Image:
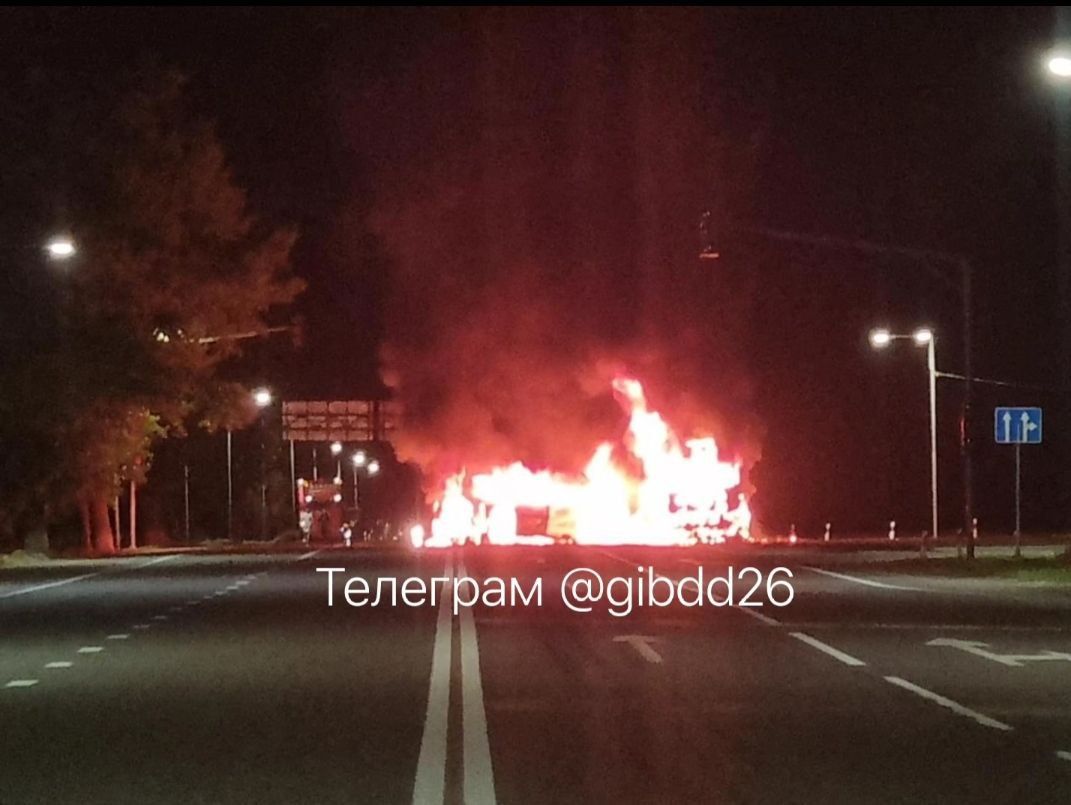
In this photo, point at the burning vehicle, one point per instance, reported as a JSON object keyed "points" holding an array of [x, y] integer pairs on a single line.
{"points": [[647, 488]]}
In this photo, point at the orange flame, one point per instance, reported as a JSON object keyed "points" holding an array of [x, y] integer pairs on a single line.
{"points": [[669, 495]]}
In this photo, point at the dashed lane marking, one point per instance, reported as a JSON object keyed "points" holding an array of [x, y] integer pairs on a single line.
{"points": [[825, 648], [947, 703]]}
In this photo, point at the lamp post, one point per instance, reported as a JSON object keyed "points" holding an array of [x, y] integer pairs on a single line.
{"points": [[336, 451], [359, 460], [710, 250], [1057, 67], [262, 398], [923, 337]]}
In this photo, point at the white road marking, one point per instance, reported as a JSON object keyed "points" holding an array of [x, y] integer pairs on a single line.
{"points": [[91, 649], [118, 636], [936, 627], [757, 615], [642, 644], [159, 617], [866, 582], [175, 609], [430, 784], [47, 585], [305, 556], [21, 683], [955, 707], [60, 582], [158, 560], [142, 625], [59, 664], [980, 649], [825, 648], [478, 775], [233, 588], [1063, 755], [193, 602]]}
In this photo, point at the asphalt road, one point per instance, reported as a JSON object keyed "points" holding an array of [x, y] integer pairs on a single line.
{"points": [[216, 679]]}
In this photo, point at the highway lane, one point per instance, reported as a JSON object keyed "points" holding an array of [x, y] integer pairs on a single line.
{"points": [[249, 688]]}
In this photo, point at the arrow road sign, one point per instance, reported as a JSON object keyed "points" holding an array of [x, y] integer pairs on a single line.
{"points": [[1017, 425]]}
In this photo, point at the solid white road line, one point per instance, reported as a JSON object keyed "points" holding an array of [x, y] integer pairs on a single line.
{"points": [[60, 582], [91, 649], [955, 707], [1063, 755], [479, 778], [47, 585], [59, 664], [142, 625], [305, 556], [642, 644], [865, 582], [825, 648], [159, 617], [757, 615], [21, 683], [158, 560], [430, 784], [118, 636]]}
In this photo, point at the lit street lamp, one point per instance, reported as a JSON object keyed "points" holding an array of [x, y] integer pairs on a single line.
{"points": [[923, 337], [1058, 63], [60, 248], [336, 451], [262, 398], [360, 461]]}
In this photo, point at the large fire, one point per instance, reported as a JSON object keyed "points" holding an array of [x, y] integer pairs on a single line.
{"points": [[656, 491]]}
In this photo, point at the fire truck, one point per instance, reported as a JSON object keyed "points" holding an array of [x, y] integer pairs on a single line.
{"points": [[320, 512]]}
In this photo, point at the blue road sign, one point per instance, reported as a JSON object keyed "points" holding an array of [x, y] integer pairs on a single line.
{"points": [[1017, 425]]}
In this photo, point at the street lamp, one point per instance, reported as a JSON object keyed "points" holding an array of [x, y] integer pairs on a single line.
{"points": [[262, 398], [1058, 63], [336, 451], [360, 461], [923, 337], [934, 260], [60, 248]]}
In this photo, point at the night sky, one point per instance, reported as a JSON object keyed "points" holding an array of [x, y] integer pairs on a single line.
{"points": [[499, 207]]}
